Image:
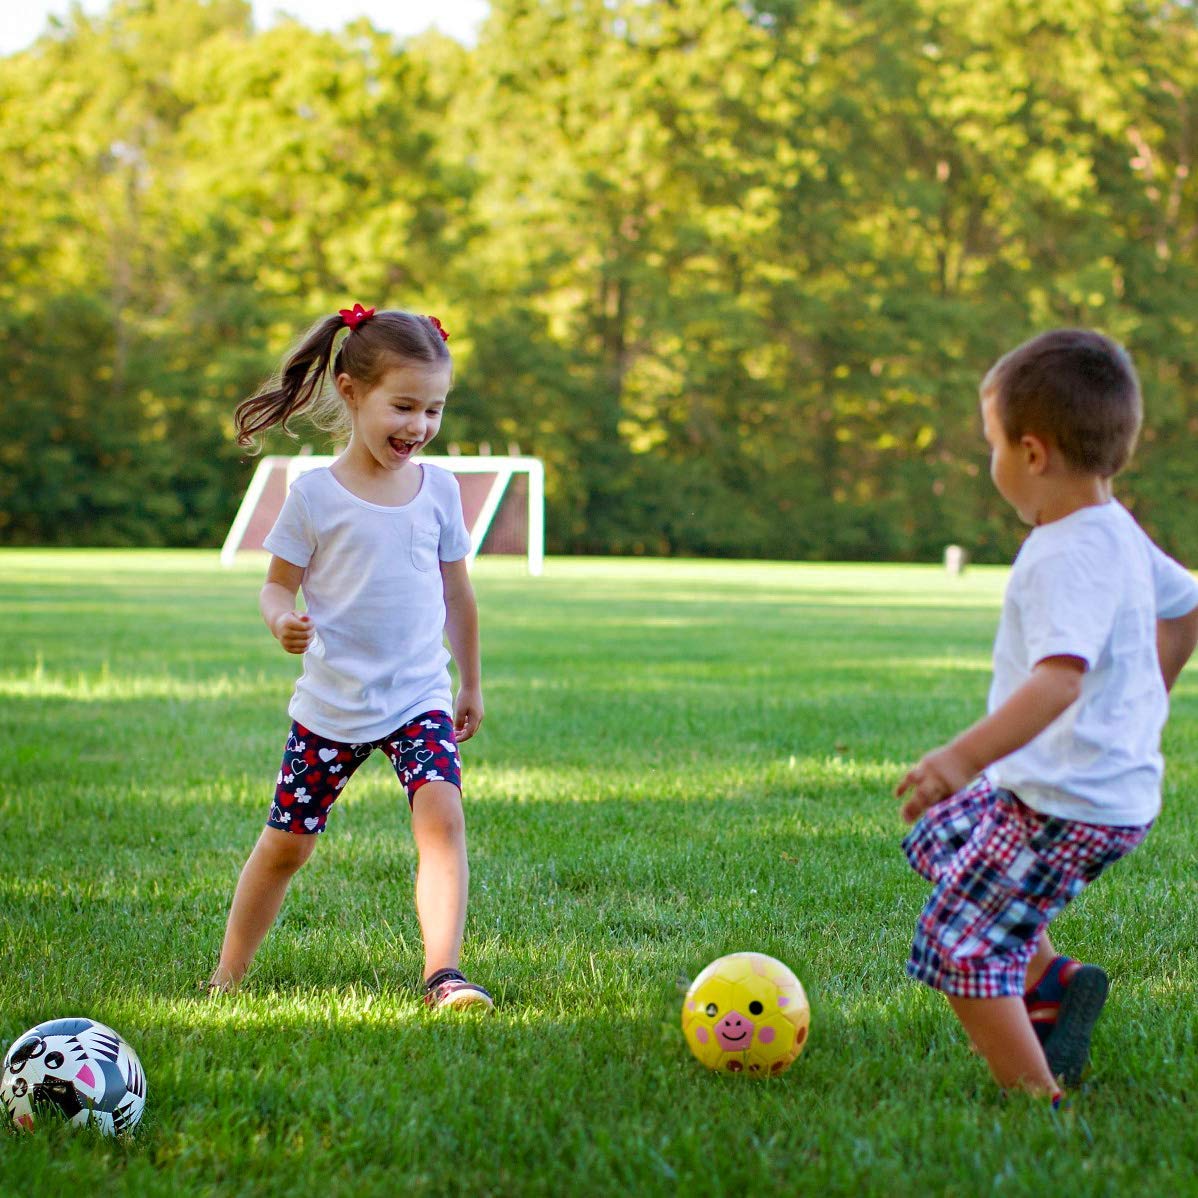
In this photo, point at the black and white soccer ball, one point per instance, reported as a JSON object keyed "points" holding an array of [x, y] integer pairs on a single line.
{"points": [[76, 1069]]}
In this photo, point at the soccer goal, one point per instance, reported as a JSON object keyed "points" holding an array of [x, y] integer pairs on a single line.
{"points": [[503, 501]]}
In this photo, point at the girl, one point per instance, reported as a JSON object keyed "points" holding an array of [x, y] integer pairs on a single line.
{"points": [[378, 543]]}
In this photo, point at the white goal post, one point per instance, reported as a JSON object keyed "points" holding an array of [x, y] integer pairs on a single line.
{"points": [[503, 501]]}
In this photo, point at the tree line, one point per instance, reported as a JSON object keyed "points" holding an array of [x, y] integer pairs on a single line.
{"points": [[732, 268]]}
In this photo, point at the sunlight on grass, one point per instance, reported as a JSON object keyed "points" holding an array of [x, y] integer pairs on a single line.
{"points": [[38, 683], [950, 661], [680, 759]]}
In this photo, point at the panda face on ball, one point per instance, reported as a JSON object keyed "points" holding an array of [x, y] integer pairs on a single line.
{"points": [[55, 1073], [76, 1069]]}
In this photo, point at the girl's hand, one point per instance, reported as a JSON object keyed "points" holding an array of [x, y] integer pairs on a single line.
{"points": [[937, 776], [293, 630], [467, 713]]}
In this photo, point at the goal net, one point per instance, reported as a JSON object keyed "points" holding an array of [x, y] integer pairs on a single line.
{"points": [[503, 501]]}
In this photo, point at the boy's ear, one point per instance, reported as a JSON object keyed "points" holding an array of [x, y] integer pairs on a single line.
{"points": [[1035, 452]]}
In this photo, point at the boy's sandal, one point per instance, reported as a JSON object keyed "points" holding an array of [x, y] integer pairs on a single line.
{"points": [[1067, 1047]]}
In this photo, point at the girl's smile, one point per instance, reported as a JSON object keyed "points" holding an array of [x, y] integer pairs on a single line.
{"points": [[402, 448]]}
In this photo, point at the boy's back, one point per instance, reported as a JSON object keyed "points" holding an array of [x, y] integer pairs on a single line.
{"points": [[1091, 586]]}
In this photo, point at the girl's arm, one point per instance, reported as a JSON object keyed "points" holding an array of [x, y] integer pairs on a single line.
{"points": [[276, 601], [1055, 684], [1175, 641], [461, 627]]}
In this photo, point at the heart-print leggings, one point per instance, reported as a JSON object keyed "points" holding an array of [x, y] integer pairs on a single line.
{"points": [[314, 769]]}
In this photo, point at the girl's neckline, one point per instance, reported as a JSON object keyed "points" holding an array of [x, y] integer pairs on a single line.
{"points": [[379, 507]]}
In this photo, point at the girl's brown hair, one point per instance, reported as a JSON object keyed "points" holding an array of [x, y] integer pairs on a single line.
{"points": [[369, 349]]}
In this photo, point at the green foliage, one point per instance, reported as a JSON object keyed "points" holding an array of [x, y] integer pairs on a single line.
{"points": [[733, 269]]}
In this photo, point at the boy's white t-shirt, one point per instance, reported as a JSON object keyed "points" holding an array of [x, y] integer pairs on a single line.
{"points": [[372, 584], [1091, 585]]}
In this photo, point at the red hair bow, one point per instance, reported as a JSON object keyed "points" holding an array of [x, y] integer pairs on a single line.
{"points": [[355, 316], [440, 328]]}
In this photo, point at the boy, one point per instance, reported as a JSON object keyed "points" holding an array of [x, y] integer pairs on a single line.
{"points": [[1096, 625]]}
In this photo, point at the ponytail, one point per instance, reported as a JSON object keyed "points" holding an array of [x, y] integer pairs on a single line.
{"points": [[300, 379]]}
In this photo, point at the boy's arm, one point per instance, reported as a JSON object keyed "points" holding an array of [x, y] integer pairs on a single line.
{"points": [[1175, 641], [461, 627], [1055, 684], [276, 601]]}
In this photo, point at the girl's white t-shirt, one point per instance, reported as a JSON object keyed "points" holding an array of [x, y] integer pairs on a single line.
{"points": [[1093, 586], [372, 584]]}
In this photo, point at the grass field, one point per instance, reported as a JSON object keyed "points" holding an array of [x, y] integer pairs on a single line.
{"points": [[680, 760]]}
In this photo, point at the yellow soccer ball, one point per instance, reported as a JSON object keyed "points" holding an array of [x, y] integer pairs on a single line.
{"points": [[746, 1013]]}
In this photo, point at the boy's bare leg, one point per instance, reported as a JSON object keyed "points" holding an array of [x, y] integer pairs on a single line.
{"points": [[1003, 1033], [442, 873], [257, 899]]}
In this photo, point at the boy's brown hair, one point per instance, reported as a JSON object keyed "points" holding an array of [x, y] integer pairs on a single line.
{"points": [[1075, 388]]}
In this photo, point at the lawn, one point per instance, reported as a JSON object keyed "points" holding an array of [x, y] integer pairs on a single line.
{"points": [[680, 759]]}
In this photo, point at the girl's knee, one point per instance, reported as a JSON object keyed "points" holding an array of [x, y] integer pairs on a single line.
{"points": [[437, 810], [283, 851]]}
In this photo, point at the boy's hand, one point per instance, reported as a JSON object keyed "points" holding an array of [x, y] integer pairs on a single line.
{"points": [[467, 713], [293, 630], [941, 773]]}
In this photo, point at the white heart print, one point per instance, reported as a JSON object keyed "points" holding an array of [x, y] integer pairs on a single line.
{"points": [[311, 823], [298, 765], [423, 754], [327, 755]]}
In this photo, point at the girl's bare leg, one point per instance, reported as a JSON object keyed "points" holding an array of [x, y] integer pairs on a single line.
{"points": [[257, 899], [442, 873]]}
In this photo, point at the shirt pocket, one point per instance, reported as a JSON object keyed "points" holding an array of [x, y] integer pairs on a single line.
{"points": [[425, 544]]}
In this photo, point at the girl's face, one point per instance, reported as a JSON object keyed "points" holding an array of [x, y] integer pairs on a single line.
{"points": [[400, 414]]}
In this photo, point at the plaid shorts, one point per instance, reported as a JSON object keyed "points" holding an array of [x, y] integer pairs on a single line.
{"points": [[315, 769], [1001, 873]]}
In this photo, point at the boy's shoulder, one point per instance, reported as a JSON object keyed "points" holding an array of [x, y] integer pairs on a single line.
{"points": [[1102, 527], [1099, 542]]}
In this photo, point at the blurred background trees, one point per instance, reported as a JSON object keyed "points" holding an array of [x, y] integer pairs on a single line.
{"points": [[733, 269]]}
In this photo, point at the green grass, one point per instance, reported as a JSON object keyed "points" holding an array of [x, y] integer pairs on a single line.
{"points": [[680, 759]]}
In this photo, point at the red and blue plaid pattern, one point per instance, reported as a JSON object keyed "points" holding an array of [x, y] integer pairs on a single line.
{"points": [[1001, 872]]}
